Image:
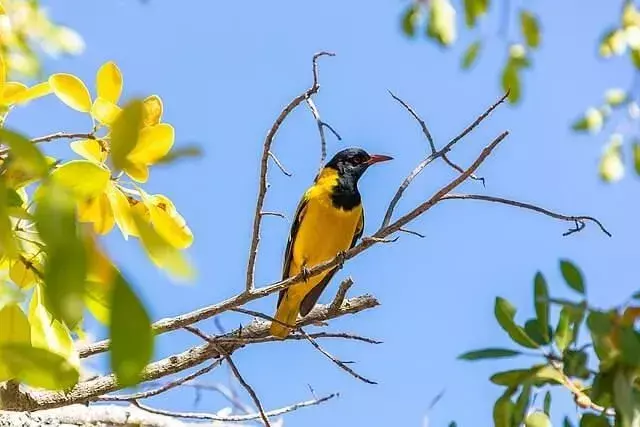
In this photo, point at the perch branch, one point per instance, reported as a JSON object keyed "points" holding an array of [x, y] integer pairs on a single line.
{"points": [[90, 390]]}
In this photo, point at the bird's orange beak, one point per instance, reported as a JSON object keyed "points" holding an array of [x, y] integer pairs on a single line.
{"points": [[377, 158]]}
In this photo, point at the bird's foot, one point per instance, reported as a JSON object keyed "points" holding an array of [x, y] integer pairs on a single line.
{"points": [[342, 257], [305, 273]]}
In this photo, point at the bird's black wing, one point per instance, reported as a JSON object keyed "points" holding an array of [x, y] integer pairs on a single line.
{"points": [[312, 297], [292, 237]]}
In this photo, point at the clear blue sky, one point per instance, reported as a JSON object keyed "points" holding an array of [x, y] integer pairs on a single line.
{"points": [[224, 71]]}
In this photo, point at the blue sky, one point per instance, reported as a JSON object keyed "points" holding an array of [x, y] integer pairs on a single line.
{"points": [[225, 70]]}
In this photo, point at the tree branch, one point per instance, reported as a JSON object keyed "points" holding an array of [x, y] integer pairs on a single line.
{"points": [[579, 220], [91, 390], [264, 164]]}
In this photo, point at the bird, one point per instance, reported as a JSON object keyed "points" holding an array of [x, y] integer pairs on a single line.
{"points": [[329, 220]]}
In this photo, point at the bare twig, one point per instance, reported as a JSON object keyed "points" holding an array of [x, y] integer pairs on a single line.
{"points": [[235, 371], [416, 171], [264, 164], [341, 294], [162, 389], [237, 418], [415, 233], [280, 166], [578, 220], [339, 363], [63, 135], [427, 134], [278, 214]]}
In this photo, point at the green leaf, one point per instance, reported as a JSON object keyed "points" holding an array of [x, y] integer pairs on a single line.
{"points": [[575, 364], [489, 353], [600, 323], [37, 367], [613, 42], [189, 151], [511, 378], [533, 330], [601, 391], [25, 156], [505, 313], [473, 10], [530, 28], [125, 132], [511, 82], [547, 403], [441, 25], [84, 179], [564, 333], [66, 268], [471, 54], [537, 419], [572, 276], [541, 297], [410, 20], [453, 424], [98, 300], [131, 334], [601, 326], [611, 168], [15, 326], [630, 346], [503, 410], [593, 420], [522, 404], [567, 422], [626, 403], [8, 245], [636, 157]]}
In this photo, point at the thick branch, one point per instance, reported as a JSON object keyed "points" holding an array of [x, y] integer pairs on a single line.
{"points": [[93, 389]]}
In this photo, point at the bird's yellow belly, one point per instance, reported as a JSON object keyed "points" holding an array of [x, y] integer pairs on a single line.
{"points": [[324, 233]]}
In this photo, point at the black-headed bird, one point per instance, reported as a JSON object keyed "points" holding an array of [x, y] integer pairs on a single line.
{"points": [[329, 220]]}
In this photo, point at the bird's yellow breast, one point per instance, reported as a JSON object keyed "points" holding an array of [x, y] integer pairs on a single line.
{"points": [[325, 229]]}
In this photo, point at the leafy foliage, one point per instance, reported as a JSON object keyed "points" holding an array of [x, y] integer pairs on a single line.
{"points": [[51, 214], [612, 390]]}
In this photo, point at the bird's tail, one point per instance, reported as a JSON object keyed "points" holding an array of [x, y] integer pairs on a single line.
{"points": [[287, 313]]}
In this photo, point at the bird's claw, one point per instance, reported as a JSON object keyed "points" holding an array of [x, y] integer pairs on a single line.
{"points": [[305, 273], [342, 257]]}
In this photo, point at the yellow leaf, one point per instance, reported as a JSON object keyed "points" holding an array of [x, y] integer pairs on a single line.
{"points": [[2, 11], [22, 275], [121, 211], [125, 133], [137, 172], [105, 111], [161, 252], [85, 179], [48, 332], [90, 149], [15, 326], [72, 91], [97, 211], [167, 221], [153, 144], [152, 110], [34, 92], [3, 72], [11, 92], [109, 82]]}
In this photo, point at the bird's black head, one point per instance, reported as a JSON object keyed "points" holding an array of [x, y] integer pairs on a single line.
{"points": [[352, 162]]}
